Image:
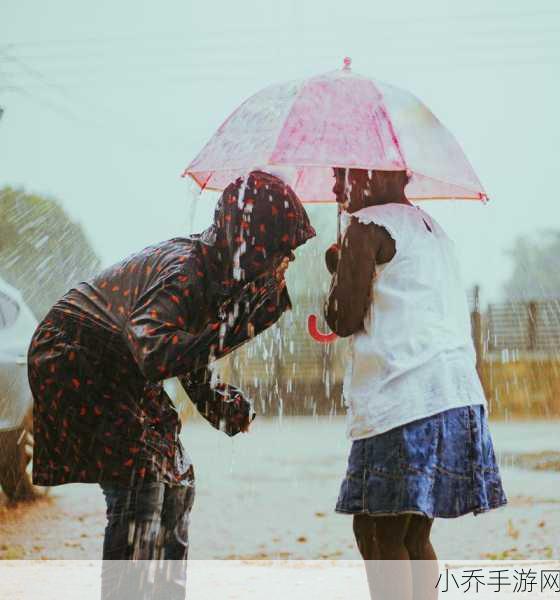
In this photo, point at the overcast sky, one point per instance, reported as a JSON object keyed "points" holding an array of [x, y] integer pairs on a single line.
{"points": [[106, 102]]}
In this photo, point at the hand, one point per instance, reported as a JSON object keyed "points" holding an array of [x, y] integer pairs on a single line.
{"points": [[239, 419], [245, 424], [237, 410], [331, 258], [281, 269]]}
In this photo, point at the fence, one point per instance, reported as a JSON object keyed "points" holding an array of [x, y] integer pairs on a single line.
{"points": [[518, 356], [518, 360], [529, 329]]}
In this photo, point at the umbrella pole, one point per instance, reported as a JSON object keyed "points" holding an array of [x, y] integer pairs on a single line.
{"points": [[338, 226]]}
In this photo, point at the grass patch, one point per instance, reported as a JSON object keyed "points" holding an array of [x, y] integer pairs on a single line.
{"points": [[11, 552]]}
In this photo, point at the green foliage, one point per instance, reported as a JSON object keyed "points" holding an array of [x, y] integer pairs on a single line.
{"points": [[42, 252], [535, 268]]}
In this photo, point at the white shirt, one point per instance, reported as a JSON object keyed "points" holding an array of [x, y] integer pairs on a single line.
{"points": [[415, 357]]}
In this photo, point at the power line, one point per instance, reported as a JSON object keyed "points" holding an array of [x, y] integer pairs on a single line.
{"points": [[41, 81], [186, 60], [170, 72], [53, 106], [126, 136], [216, 63], [127, 68], [425, 67], [421, 38], [479, 17]]}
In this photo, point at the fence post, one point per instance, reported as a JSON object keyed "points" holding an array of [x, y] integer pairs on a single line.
{"points": [[532, 325], [477, 329]]}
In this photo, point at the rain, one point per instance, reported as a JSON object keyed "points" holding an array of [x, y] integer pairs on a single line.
{"points": [[106, 135]]}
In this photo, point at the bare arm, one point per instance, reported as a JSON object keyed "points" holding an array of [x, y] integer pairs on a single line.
{"points": [[351, 287]]}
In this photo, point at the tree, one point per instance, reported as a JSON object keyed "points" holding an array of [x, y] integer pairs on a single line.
{"points": [[42, 252], [535, 273]]}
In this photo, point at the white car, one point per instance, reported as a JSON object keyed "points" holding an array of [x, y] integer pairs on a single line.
{"points": [[17, 325]]}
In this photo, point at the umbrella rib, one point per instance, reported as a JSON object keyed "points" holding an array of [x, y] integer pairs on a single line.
{"points": [[479, 195], [202, 185], [387, 115], [283, 122], [474, 194], [191, 166], [452, 184]]}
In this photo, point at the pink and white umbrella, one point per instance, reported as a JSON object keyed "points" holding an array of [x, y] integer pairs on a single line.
{"points": [[338, 119]]}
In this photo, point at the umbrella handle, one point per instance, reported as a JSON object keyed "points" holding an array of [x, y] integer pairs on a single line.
{"points": [[322, 338]]}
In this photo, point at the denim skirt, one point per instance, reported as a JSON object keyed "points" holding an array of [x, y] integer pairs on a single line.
{"points": [[440, 466]]}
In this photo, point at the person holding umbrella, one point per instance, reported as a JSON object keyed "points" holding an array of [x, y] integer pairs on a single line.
{"points": [[417, 415], [98, 360], [417, 412]]}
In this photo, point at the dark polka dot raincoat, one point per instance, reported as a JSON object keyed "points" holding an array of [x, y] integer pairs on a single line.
{"points": [[98, 360]]}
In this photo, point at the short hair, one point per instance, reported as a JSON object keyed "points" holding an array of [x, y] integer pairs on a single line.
{"points": [[342, 171]]}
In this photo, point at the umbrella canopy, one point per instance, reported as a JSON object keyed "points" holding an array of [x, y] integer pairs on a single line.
{"points": [[337, 119]]}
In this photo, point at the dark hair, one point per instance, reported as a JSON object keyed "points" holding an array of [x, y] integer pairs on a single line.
{"points": [[339, 171]]}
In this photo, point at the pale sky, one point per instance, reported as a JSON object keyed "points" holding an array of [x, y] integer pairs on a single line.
{"points": [[106, 102]]}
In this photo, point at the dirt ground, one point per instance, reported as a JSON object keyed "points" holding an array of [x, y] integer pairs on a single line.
{"points": [[270, 495]]}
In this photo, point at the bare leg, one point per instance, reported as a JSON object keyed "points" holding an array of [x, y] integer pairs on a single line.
{"points": [[423, 558], [381, 541], [364, 532], [391, 534]]}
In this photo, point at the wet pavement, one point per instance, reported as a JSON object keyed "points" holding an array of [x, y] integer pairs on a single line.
{"points": [[270, 495]]}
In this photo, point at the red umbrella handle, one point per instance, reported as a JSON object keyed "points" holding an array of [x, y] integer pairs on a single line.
{"points": [[323, 338]]}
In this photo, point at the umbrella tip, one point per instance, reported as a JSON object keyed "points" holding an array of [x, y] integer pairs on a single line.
{"points": [[347, 63]]}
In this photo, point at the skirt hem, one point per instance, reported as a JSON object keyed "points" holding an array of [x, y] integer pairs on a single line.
{"points": [[476, 510]]}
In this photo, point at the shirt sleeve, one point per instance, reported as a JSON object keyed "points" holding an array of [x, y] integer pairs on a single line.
{"points": [[351, 287], [157, 332]]}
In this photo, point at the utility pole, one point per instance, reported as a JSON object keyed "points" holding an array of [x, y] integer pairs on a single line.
{"points": [[477, 329]]}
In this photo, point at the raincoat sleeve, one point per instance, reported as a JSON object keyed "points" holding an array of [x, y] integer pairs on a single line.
{"points": [[157, 332], [224, 406]]}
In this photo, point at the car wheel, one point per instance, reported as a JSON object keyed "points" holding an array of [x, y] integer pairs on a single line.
{"points": [[16, 452]]}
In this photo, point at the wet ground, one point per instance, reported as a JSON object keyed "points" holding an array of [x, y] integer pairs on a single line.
{"points": [[270, 494]]}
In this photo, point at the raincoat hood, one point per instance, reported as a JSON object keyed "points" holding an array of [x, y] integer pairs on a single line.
{"points": [[258, 220]]}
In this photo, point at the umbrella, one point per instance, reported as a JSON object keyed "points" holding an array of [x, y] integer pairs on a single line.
{"points": [[337, 119]]}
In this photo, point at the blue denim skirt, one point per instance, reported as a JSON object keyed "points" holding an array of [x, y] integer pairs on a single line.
{"points": [[440, 466]]}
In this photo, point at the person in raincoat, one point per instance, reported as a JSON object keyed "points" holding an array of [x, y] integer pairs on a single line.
{"points": [[416, 411], [98, 359]]}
